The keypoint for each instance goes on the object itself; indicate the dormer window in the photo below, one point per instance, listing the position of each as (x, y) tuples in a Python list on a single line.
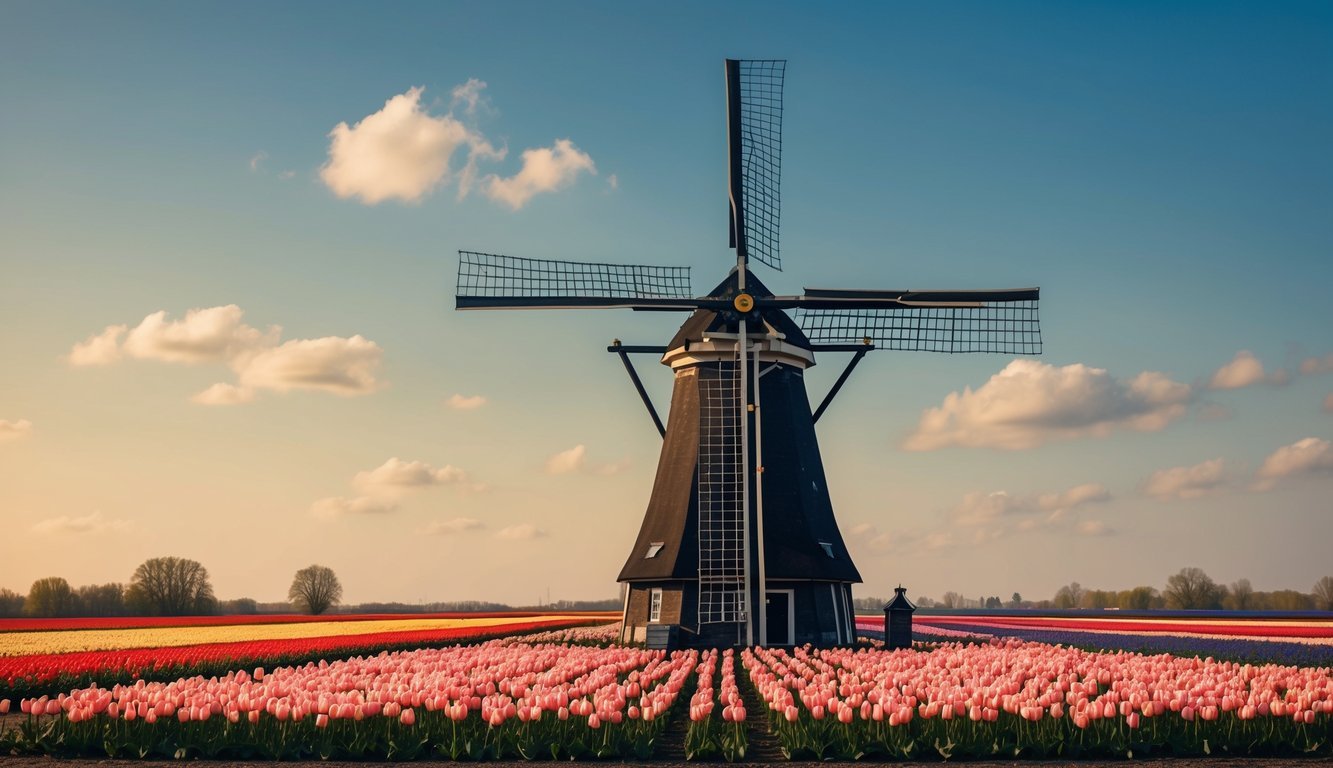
[(828, 549), (653, 549)]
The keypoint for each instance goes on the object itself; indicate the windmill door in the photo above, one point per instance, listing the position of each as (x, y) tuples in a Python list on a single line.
[(780, 621)]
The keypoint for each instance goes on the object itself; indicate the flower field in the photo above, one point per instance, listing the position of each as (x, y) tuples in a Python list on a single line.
[(550, 689)]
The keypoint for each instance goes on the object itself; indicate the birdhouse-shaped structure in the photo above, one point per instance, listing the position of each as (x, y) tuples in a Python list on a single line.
[(898, 620)]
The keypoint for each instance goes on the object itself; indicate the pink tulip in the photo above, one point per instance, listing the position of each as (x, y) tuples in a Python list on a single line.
[(409, 716), (322, 720)]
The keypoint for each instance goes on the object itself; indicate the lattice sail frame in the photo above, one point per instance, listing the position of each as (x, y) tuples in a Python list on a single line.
[(721, 478), (761, 156), (1007, 328), (493, 275)]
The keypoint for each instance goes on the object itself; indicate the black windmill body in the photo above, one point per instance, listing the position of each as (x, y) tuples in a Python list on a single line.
[(739, 544)]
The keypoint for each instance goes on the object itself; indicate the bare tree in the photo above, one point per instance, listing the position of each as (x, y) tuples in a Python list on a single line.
[(951, 600), (315, 589), (49, 597), (170, 586), (102, 600), (1070, 596), (1323, 594), (1240, 597), (1192, 588), (11, 603)]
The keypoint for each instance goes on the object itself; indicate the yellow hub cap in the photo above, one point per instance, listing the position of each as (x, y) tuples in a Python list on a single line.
[(744, 302)]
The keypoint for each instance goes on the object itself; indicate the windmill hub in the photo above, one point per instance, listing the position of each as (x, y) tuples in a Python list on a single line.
[(739, 544)]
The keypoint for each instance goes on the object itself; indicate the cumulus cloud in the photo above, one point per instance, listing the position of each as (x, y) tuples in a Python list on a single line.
[(545, 169), (1030, 403), (334, 364), (1303, 457), (461, 402), (341, 506), (1186, 482), (520, 532), (396, 474), (14, 430), (94, 522), (100, 348), (566, 461), (1313, 365), (1245, 370), (451, 527)]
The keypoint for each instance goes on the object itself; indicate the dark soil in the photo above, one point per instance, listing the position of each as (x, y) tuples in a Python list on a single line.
[(47, 762)]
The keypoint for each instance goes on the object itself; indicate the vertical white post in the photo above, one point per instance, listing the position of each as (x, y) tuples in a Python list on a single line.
[(759, 506)]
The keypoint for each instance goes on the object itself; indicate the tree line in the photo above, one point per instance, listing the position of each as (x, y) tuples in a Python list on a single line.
[(162, 586), (1190, 589)]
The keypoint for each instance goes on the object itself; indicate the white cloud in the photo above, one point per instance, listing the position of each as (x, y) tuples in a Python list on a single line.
[(545, 169), (451, 527), (204, 335), (1245, 370), (396, 474), (1087, 493), (471, 95), (340, 506), (257, 160), (93, 522), (1094, 528), (461, 402), (223, 393), (1313, 365), (1186, 482), (978, 509), (14, 430), (1303, 457), (400, 152), (566, 462), (613, 181), (100, 348), (520, 532), (1030, 403), (341, 366), (870, 537), (286, 175)]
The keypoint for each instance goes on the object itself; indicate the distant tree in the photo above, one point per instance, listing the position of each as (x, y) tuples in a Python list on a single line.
[(1098, 599), (1289, 600), (1069, 596), (315, 589), (1322, 593), (994, 602), (927, 602), (170, 586), (1136, 599), (951, 600), (1016, 601), (102, 600), (1191, 589), (11, 603), (1240, 597), (241, 606), (51, 597)]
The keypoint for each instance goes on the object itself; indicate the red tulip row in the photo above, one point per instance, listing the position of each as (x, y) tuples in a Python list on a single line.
[(43, 672), (138, 622), (1267, 629)]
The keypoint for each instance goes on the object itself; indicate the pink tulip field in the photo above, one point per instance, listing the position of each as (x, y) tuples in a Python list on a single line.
[(574, 694)]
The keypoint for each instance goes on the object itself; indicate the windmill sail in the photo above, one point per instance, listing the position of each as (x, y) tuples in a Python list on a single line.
[(492, 281), (754, 141), (1005, 327)]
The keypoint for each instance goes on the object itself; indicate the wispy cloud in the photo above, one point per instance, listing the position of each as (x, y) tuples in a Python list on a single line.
[(1313, 365), (1310, 456), (1187, 482), (91, 523), (460, 402), (261, 362), (452, 526), (14, 430), (342, 506), (396, 474), (257, 161), (566, 461), (546, 169), (520, 532), (1031, 403)]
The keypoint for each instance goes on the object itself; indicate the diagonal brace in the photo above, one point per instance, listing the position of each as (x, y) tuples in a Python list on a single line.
[(624, 351), (837, 385)]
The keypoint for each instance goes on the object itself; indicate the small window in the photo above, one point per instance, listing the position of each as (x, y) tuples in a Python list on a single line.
[(828, 549), (655, 606), (653, 549)]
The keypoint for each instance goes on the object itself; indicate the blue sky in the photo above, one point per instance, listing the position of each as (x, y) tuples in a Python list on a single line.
[(1162, 171)]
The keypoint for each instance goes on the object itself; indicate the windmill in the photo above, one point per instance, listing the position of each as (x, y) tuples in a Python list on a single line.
[(739, 544)]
